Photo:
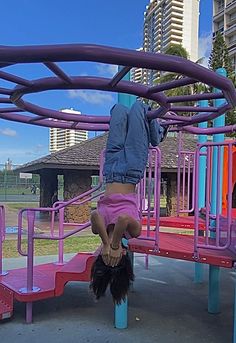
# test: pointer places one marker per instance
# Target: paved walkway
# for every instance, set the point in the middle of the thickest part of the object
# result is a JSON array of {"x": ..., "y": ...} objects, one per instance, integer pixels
[{"x": 165, "y": 307}]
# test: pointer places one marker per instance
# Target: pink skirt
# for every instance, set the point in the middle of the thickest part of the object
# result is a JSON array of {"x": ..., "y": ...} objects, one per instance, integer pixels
[{"x": 110, "y": 207}]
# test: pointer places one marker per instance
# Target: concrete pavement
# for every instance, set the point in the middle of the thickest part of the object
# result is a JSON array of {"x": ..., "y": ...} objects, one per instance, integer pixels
[{"x": 165, "y": 306}]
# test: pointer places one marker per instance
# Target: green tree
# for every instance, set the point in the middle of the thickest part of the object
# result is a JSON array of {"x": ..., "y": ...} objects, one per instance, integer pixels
[
  {"x": 219, "y": 58},
  {"x": 178, "y": 50}
]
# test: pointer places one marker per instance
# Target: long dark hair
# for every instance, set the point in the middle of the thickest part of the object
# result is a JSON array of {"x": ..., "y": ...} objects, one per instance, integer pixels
[{"x": 119, "y": 278}]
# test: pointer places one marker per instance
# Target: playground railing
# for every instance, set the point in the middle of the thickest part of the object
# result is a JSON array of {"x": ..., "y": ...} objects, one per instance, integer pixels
[
  {"x": 185, "y": 173},
  {"x": 218, "y": 229},
  {"x": 87, "y": 196},
  {"x": 149, "y": 192},
  {"x": 58, "y": 207},
  {"x": 2, "y": 234}
]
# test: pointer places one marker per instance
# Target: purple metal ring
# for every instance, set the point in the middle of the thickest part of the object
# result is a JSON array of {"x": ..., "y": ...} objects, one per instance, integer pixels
[{"x": 48, "y": 55}]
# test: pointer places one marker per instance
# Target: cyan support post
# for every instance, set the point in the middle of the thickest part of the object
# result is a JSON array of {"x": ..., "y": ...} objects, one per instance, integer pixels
[
  {"x": 214, "y": 272},
  {"x": 199, "y": 267},
  {"x": 121, "y": 311},
  {"x": 123, "y": 98}
]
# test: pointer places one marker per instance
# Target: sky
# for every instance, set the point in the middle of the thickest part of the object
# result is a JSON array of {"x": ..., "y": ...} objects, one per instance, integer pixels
[{"x": 117, "y": 23}]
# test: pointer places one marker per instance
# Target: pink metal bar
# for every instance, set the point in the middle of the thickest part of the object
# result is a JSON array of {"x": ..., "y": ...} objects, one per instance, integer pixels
[
  {"x": 218, "y": 201},
  {"x": 180, "y": 144},
  {"x": 19, "y": 233},
  {"x": 230, "y": 189},
  {"x": 193, "y": 188},
  {"x": 80, "y": 227},
  {"x": 30, "y": 250},
  {"x": 215, "y": 244},
  {"x": 208, "y": 193},
  {"x": 2, "y": 236},
  {"x": 196, "y": 202},
  {"x": 183, "y": 185},
  {"x": 149, "y": 191},
  {"x": 157, "y": 190},
  {"x": 61, "y": 234},
  {"x": 187, "y": 158},
  {"x": 188, "y": 181}
]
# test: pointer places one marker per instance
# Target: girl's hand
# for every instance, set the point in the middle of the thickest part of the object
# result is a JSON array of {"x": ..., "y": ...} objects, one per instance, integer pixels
[
  {"x": 105, "y": 253},
  {"x": 115, "y": 256}
]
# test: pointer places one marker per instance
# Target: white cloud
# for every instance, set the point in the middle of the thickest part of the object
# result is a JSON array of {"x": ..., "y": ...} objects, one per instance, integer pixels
[
  {"x": 8, "y": 132},
  {"x": 205, "y": 47},
  {"x": 92, "y": 97},
  {"x": 106, "y": 69}
]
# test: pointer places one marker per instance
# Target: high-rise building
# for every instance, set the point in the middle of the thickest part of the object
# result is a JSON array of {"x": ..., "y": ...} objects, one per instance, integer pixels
[
  {"x": 170, "y": 22},
  {"x": 64, "y": 138},
  {"x": 136, "y": 74},
  {"x": 224, "y": 21}
]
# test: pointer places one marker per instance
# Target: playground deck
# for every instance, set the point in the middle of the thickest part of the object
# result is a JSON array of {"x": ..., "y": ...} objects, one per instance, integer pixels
[{"x": 51, "y": 277}]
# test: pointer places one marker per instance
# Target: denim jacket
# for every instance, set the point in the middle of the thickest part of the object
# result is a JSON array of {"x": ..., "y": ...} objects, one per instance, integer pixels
[{"x": 130, "y": 136}]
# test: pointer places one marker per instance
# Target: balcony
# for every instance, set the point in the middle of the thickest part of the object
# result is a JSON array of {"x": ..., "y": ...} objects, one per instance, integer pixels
[
  {"x": 230, "y": 6},
  {"x": 217, "y": 16},
  {"x": 230, "y": 30},
  {"x": 219, "y": 30},
  {"x": 231, "y": 22},
  {"x": 232, "y": 45}
]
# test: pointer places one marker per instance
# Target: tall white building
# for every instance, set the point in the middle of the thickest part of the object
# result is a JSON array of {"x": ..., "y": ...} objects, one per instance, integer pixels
[
  {"x": 64, "y": 138},
  {"x": 136, "y": 74},
  {"x": 170, "y": 22},
  {"x": 224, "y": 21}
]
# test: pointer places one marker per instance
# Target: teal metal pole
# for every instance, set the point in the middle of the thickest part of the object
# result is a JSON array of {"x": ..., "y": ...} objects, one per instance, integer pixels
[
  {"x": 121, "y": 311},
  {"x": 214, "y": 291},
  {"x": 202, "y": 161},
  {"x": 214, "y": 272},
  {"x": 199, "y": 268}
]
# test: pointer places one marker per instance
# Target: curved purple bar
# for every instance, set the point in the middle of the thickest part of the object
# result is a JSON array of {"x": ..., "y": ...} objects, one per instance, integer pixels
[{"x": 48, "y": 55}]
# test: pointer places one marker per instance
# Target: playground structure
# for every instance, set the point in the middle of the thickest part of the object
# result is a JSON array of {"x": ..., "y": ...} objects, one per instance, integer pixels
[{"x": 200, "y": 173}]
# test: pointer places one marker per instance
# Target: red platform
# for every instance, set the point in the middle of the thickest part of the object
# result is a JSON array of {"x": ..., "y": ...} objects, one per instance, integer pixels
[
  {"x": 176, "y": 222},
  {"x": 182, "y": 247},
  {"x": 50, "y": 278}
]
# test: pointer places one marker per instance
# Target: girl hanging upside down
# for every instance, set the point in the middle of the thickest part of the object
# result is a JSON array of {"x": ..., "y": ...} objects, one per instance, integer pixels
[{"x": 117, "y": 215}]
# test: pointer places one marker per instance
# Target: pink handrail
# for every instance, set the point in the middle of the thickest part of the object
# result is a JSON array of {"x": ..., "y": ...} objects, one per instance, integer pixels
[
  {"x": 31, "y": 234},
  {"x": 2, "y": 234},
  {"x": 154, "y": 165},
  {"x": 215, "y": 242}
]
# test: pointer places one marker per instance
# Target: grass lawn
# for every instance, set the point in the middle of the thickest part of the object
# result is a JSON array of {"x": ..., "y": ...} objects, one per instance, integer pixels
[
  {"x": 47, "y": 247},
  {"x": 14, "y": 190},
  {"x": 20, "y": 205}
]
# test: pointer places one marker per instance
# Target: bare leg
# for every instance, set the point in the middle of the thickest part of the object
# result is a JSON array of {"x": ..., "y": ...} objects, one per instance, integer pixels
[
  {"x": 124, "y": 223},
  {"x": 98, "y": 227}
]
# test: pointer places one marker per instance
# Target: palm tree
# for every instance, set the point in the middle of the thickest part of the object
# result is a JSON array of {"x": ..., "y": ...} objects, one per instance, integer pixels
[{"x": 179, "y": 50}]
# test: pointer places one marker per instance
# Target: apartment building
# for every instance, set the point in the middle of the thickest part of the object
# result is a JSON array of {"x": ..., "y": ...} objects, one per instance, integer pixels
[
  {"x": 224, "y": 21},
  {"x": 170, "y": 22},
  {"x": 63, "y": 138}
]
